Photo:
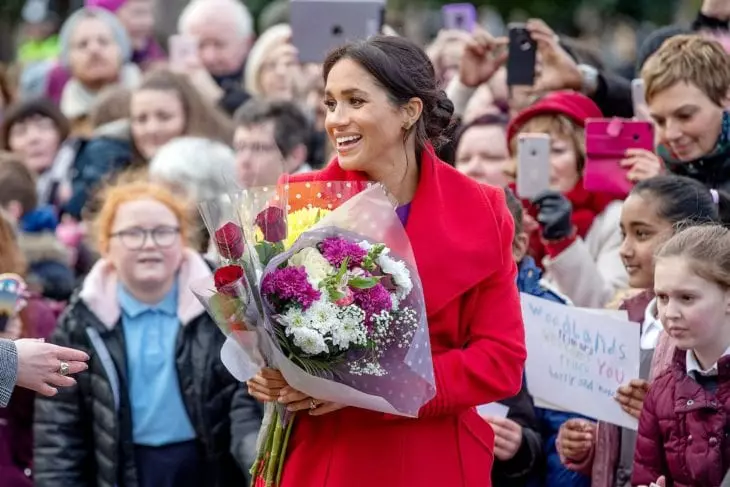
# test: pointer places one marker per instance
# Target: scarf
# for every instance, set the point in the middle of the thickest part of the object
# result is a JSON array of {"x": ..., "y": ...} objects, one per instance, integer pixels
[
  {"x": 587, "y": 205},
  {"x": 77, "y": 101}
]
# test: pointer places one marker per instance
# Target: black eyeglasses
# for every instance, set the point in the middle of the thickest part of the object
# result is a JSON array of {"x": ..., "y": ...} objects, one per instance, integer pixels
[{"x": 135, "y": 238}]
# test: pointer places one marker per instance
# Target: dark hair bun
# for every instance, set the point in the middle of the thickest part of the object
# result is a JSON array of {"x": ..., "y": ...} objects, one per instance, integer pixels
[{"x": 439, "y": 119}]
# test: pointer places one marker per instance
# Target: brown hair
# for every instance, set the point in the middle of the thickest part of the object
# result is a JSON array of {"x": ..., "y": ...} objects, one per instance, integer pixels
[
  {"x": 17, "y": 183},
  {"x": 111, "y": 105},
  {"x": 688, "y": 59},
  {"x": 555, "y": 125},
  {"x": 25, "y": 110},
  {"x": 707, "y": 248},
  {"x": 134, "y": 186},
  {"x": 516, "y": 210},
  {"x": 11, "y": 258},
  {"x": 201, "y": 118}
]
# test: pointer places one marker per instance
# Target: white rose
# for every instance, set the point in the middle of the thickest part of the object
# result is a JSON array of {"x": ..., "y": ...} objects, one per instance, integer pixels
[{"x": 314, "y": 263}]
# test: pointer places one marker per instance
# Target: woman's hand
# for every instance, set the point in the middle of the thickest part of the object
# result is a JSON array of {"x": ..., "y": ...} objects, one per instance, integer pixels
[
  {"x": 507, "y": 437},
  {"x": 554, "y": 215},
  {"x": 642, "y": 164},
  {"x": 483, "y": 56},
  {"x": 631, "y": 396},
  {"x": 575, "y": 439},
  {"x": 298, "y": 401},
  {"x": 266, "y": 386},
  {"x": 660, "y": 482},
  {"x": 556, "y": 70}
]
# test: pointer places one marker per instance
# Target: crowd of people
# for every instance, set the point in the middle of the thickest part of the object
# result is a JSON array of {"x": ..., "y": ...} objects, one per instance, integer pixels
[{"x": 108, "y": 144}]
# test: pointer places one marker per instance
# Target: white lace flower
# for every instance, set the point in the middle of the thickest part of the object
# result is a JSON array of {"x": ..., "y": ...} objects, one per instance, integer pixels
[
  {"x": 350, "y": 329},
  {"x": 314, "y": 263},
  {"x": 400, "y": 273},
  {"x": 309, "y": 340}
]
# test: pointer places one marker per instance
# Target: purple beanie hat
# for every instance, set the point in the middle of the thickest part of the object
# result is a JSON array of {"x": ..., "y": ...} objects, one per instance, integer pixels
[{"x": 110, "y": 5}]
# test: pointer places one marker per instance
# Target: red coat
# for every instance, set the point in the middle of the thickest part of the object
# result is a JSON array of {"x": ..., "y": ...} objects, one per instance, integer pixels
[
  {"x": 461, "y": 233},
  {"x": 683, "y": 429}
]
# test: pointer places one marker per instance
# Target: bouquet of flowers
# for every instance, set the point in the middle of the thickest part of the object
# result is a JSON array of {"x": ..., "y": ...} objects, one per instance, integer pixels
[{"x": 339, "y": 305}]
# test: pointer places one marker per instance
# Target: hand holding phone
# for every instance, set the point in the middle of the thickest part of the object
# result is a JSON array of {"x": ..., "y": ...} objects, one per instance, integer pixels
[
  {"x": 522, "y": 56},
  {"x": 607, "y": 143},
  {"x": 459, "y": 16},
  {"x": 183, "y": 51},
  {"x": 533, "y": 164},
  {"x": 12, "y": 290}
]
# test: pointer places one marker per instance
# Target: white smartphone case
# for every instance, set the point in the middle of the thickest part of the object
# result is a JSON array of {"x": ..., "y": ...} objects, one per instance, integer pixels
[{"x": 533, "y": 165}]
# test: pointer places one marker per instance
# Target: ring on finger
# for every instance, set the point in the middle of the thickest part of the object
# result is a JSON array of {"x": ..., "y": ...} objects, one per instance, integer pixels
[
  {"x": 313, "y": 404},
  {"x": 64, "y": 369}
]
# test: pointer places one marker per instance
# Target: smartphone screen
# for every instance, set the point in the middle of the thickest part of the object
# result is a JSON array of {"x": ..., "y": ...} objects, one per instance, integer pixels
[
  {"x": 522, "y": 56},
  {"x": 183, "y": 50},
  {"x": 533, "y": 165},
  {"x": 12, "y": 288},
  {"x": 459, "y": 16}
]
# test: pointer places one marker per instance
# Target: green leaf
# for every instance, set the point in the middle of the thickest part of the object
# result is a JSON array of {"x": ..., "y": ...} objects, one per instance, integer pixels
[
  {"x": 363, "y": 282},
  {"x": 267, "y": 251}
]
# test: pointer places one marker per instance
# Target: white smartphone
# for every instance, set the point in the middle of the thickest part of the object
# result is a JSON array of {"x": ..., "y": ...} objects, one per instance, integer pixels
[
  {"x": 533, "y": 165},
  {"x": 183, "y": 50},
  {"x": 638, "y": 97}
]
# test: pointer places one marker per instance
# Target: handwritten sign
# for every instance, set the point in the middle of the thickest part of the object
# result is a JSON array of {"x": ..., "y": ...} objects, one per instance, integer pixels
[{"x": 576, "y": 359}]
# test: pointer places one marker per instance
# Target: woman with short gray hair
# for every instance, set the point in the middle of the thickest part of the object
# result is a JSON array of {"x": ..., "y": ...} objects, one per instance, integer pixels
[{"x": 97, "y": 51}]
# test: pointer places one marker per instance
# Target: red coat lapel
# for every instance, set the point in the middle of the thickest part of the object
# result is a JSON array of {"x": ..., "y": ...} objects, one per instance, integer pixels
[{"x": 450, "y": 225}]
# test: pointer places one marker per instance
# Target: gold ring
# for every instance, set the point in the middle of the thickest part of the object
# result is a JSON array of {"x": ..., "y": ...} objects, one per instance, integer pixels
[
  {"x": 64, "y": 369},
  {"x": 312, "y": 403}
]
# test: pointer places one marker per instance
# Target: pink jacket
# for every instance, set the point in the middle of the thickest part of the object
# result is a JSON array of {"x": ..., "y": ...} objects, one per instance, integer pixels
[{"x": 600, "y": 463}]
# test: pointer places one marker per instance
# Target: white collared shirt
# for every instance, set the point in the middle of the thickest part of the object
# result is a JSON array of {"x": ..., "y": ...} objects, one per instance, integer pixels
[
  {"x": 651, "y": 328},
  {"x": 694, "y": 367}
]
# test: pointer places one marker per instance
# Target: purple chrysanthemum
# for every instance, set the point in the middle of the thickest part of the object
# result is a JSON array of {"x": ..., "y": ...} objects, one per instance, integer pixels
[
  {"x": 373, "y": 301},
  {"x": 337, "y": 249},
  {"x": 290, "y": 283}
]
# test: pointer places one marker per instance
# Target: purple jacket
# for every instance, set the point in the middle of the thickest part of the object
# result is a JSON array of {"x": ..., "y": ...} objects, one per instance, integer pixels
[
  {"x": 16, "y": 421},
  {"x": 682, "y": 430}
]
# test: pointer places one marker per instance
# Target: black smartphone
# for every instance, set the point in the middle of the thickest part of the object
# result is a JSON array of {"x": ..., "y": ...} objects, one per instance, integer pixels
[{"x": 522, "y": 56}]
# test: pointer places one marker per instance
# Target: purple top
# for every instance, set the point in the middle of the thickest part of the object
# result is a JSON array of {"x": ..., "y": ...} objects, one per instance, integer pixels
[{"x": 403, "y": 212}]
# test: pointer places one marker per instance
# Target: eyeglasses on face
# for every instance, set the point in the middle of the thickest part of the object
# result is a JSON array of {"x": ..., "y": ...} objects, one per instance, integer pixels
[{"x": 136, "y": 237}]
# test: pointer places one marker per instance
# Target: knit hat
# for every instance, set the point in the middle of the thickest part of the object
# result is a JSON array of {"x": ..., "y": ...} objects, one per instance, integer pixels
[
  {"x": 575, "y": 106},
  {"x": 110, "y": 5}
]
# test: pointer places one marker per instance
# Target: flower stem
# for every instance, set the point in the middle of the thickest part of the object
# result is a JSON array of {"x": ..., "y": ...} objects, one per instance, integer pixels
[
  {"x": 275, "y": 451},
  {"x": 287, "y": 434},
  {"x": 260, "y": 463}
]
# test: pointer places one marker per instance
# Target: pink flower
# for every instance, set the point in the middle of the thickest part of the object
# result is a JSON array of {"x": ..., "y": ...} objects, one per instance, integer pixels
[
  {"x": 337, "y": 249},
  {"x": 281, "y": 286},
  {"x": 373, "y": 301}
]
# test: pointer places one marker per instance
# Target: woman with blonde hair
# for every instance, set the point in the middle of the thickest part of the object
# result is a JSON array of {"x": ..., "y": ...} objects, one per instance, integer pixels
[
  {"x": 272, "y": 67},
  {"x": 163, "y": 107},
  {"x": 157, "y": 407}
]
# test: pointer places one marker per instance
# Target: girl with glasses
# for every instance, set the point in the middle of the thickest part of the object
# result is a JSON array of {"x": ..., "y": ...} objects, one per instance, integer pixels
[{"x": 156, "y": 407}]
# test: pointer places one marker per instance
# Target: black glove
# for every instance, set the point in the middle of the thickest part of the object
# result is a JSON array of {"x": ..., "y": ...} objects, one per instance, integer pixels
[{"x": 554, "y": 213}]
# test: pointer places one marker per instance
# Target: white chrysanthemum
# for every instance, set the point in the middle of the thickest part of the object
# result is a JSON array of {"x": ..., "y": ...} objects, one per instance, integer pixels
[
  {"x": 314, "y": 263},
  {"x": 400, "y": 273},
  {"x": 322, "y": 316},
  {"x": 293, "y": 318},
  {"x": 350, "y": 329},
  {"x": 309, "y": 340},
  {"x": 365, "y": 245}
]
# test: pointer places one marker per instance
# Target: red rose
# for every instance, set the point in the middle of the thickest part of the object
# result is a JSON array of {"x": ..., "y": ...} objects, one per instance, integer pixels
[
  {"x": 229, "y": 240},
  {"x": 272, "y": 222},
  {"x": 227, "y": 279}
]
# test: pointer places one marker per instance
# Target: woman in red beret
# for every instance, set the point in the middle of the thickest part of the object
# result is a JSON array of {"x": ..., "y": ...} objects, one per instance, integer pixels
[
  {"x": 384, "y": 114},
  {"x": 579, "y": 235}
]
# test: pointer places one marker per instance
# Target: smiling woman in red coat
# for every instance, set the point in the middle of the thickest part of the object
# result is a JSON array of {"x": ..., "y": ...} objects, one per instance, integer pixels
[{"x": 384, "y": 114}]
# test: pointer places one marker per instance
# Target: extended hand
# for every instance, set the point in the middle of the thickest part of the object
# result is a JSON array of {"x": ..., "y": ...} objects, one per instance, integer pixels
[
  {"x": 557, "y": 70},
  {"x": 39, "y": 366},
  {"x": 642, "y": 164},
  {"x": 575, "y": 439},
  {"x": 482, "y": 58},
  {"x": 554, "y": 215},
  {"x": 631, "y": 396},
  {"x": 266, "y": 386},
  {"x": 507, "y": 437}
]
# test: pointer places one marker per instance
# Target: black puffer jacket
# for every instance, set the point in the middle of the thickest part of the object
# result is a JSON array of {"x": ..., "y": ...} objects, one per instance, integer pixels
[{"x": 84, "y": 439}]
